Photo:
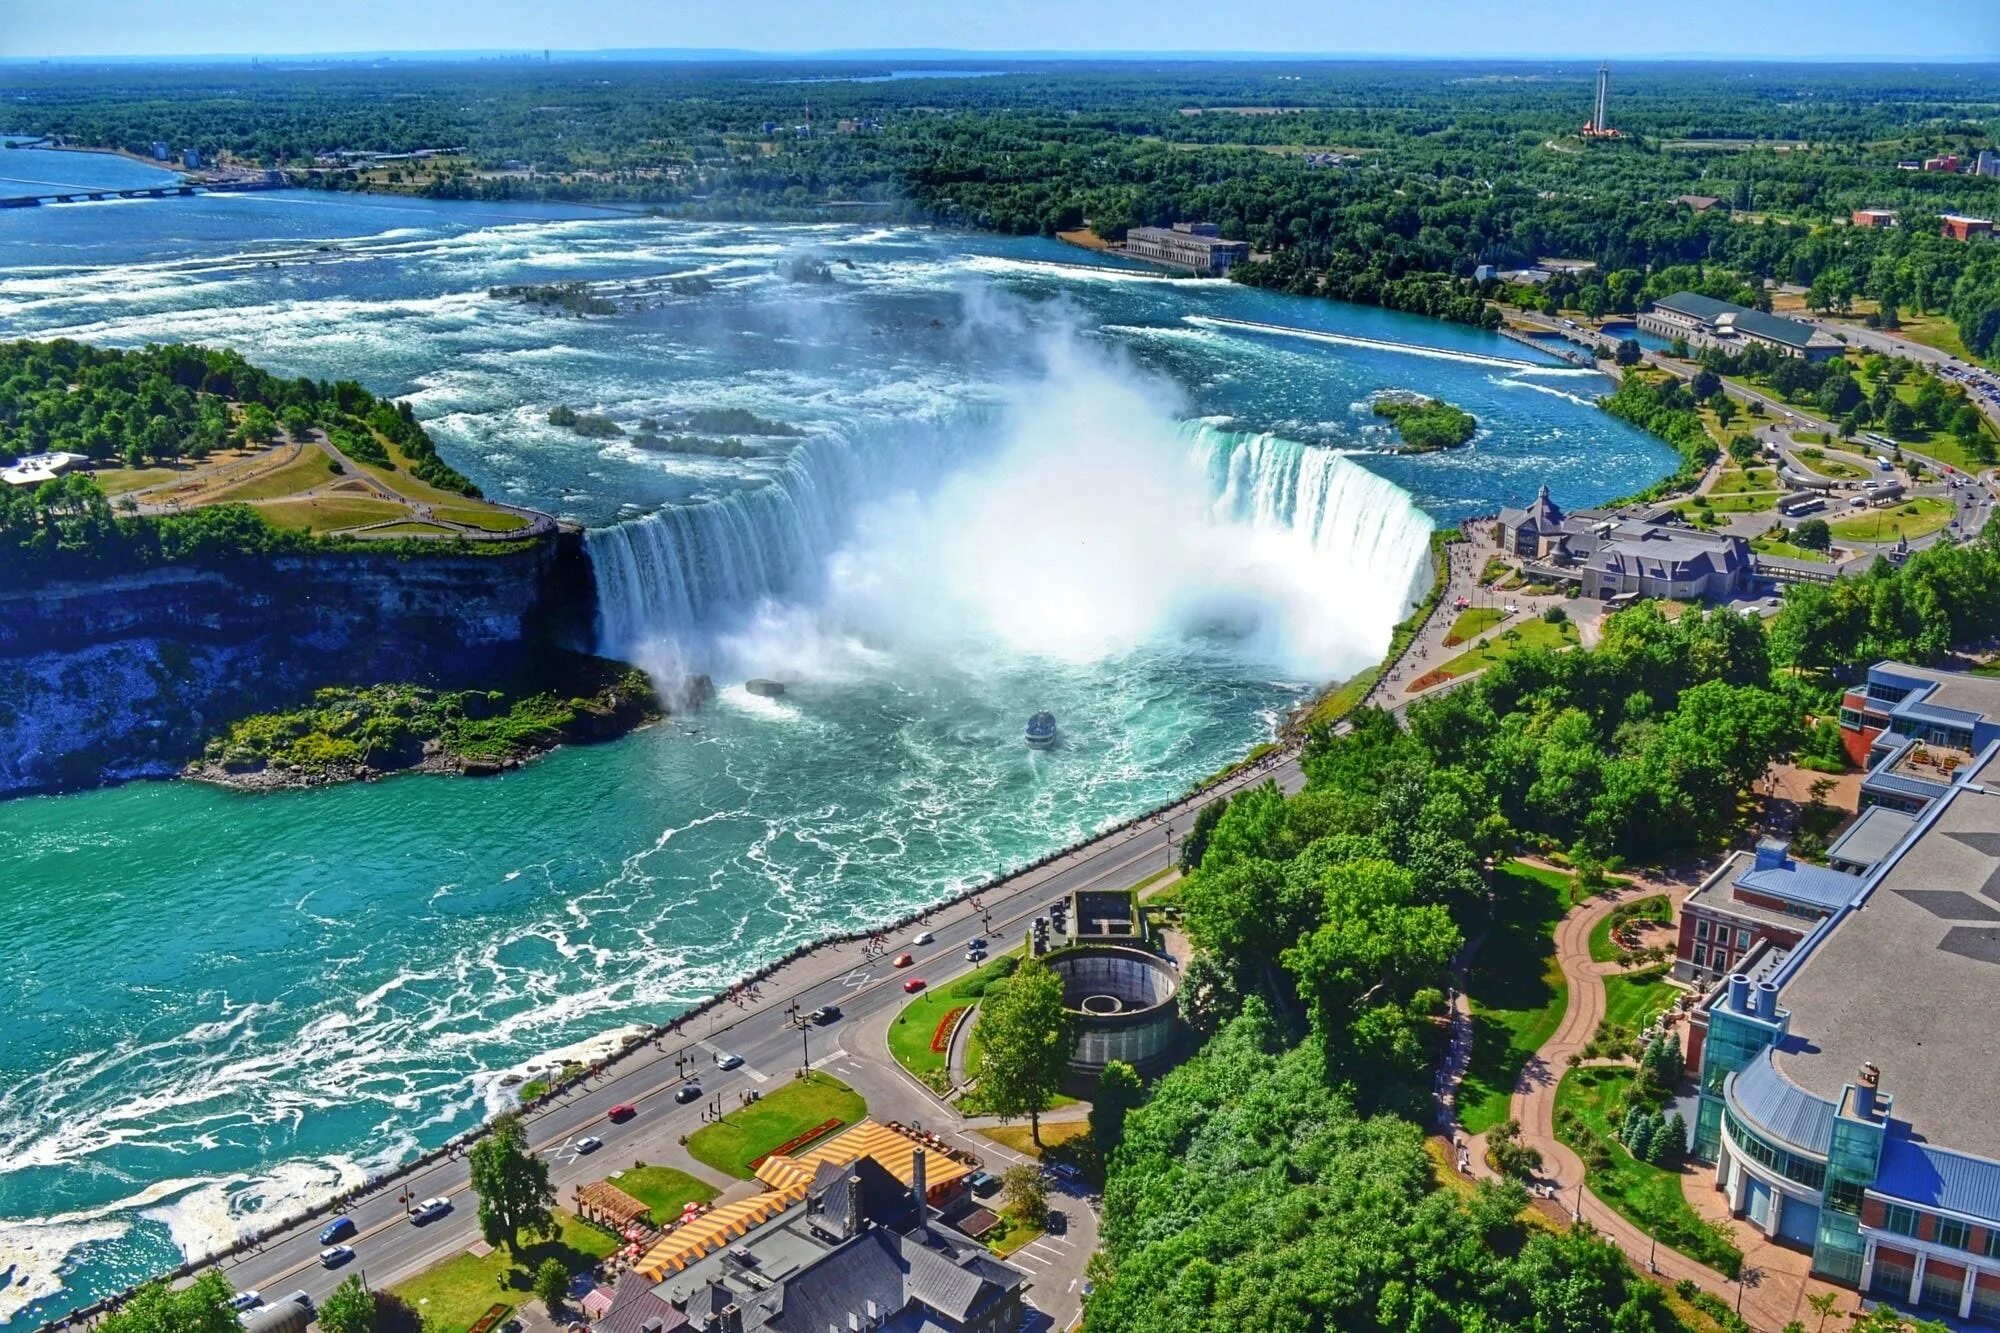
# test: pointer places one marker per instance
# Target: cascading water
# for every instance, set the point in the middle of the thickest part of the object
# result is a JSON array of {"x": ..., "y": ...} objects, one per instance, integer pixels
[{"x": 1356, "y": 527}]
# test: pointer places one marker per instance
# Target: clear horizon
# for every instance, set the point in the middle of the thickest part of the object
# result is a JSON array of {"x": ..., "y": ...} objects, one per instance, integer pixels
[{"x": 1766, "y": 30}]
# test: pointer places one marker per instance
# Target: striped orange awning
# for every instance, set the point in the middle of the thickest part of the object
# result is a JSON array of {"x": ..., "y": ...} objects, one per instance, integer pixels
[
  {"x": 712, "y": 1230},
  {"x": 890, "y": 1148}
]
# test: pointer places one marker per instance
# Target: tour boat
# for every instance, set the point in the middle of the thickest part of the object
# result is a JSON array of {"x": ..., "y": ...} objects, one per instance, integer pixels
[{"x": 1042, "y": 730}]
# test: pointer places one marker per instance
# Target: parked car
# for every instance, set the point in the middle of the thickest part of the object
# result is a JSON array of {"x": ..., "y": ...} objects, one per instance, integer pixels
[
  {"x": 333, "y": 1256},
  {"x": 246, "y": 1300},
  {"x": 430, "y": 1208},
  {"x": 340, "y": 1228},
  {"x": 825, "y": 1014},
  {"x": 923, "y": 937},
  {"x": 913, "y": 985},
  {"x": 687, "y": 1092},
  {"x": 620, "y": 1113},
  {"x": 728, "y": 1060},
  {"x": 589, "y": 1143},
  {"x": 903, "y": 960},
  {"x": 982, "y": 1183}
]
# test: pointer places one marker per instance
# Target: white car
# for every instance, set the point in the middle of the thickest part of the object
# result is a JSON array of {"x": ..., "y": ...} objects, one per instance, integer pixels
[
  {"x": 246, "y": 1300},
  {"x": 727, "y": 1060},
  {"x": 589, "y": 1143},
  {"x": 333, "y": 1256},
  {"x": 430, "y": 1208},
  {"x": 923, "y": 937}
]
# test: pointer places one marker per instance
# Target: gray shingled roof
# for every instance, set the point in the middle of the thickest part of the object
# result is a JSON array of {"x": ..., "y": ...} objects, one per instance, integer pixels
[{"x": 1708, "y": 310}]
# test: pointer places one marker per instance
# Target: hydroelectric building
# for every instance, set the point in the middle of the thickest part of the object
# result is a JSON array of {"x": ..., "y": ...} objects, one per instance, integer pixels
[{"x": 1850, "y": 1070}]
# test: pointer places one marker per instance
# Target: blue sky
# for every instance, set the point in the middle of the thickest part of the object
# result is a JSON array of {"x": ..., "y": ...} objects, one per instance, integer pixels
[{"x": 1772, "y": 29}]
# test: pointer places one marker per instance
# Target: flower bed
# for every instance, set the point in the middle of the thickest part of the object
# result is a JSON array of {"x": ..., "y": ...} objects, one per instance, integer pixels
[
  {"x": 491, "y": 1319},
  {"x": 942, "y": 1037},
  {"x": 1428, "y": 679},
  {"x": 795, "y": 1143}
]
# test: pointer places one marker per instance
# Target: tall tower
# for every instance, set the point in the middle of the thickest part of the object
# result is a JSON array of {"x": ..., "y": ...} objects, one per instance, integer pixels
[{"x": 1600, "y": 120}]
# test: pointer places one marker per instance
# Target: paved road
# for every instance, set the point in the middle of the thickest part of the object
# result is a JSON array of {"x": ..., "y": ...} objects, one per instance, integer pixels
[{"x": 391, "y": 1248}]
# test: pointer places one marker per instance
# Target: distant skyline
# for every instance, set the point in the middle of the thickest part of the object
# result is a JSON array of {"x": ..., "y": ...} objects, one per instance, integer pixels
[{"x": 1711, "y": 29}]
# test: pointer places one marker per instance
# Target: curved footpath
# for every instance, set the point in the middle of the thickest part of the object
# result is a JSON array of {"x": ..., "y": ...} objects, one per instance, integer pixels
[
  {"x": 1781, "y": 1281},
  {"x": 754, "y": 1022}
]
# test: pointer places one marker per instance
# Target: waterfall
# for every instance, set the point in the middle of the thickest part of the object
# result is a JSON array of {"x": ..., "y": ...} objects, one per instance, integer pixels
[
  {"x": 1361, "y": 532},
  {"x": 1346, "y": 545}
]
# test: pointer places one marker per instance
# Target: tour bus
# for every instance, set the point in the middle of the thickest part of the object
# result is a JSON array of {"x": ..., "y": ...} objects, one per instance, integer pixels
[{"x": 1800, "y": 505}]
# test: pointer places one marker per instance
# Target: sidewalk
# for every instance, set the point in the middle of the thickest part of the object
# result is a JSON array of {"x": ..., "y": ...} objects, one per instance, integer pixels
[{"x": 1781, "y": 1281}]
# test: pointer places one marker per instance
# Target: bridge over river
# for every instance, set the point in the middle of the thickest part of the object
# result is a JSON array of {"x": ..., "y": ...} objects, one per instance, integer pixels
[{"x": 55, "y": 192}]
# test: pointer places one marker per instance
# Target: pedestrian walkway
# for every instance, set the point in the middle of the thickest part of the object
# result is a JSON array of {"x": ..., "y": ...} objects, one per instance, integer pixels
[{"x": 1778, "y": 1278}]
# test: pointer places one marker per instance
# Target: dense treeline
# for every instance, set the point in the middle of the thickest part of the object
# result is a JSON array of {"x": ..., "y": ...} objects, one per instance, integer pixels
[
  {"x": 160, "y": 403},
  {"x": 1442, "y": 167}
]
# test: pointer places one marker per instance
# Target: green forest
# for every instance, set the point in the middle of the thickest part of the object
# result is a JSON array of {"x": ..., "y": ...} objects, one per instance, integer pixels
[{"x": 1380, "y": 181}]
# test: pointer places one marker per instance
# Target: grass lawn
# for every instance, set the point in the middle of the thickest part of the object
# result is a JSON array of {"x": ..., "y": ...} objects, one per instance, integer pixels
[
  {"x": 1010, "y": 1235},
  {"x": 1737, "y": 502},
  {"x": 1647, "y": 1196},
  {"x": 1735, "y": 481},
  {"x": 1786, "y": 551},
  {"x": 311, "y": 468},
  {"x": 1536, "y": 633},
  {"x": 1839, "y": 469},
  {"x": 453, "y": 1294},
  {"x": 1055, "y": 1136},
  {"x": 118, "y": 480},
  {"x": 478, "y": 516},
  {"x": 1474, "y": 621},
  {"x": 910, "y": 1035},
  {"x": 1344, "y": 698},
  {"x": 1653, "y": 907},
  {"x": 327, "y": 513},
  {"x": 1632, "y": 1000},
  {"x": 1516, "y": 989},
  {"x": 756, "y": 1129},
  {"x": 413, "y": 528},
  {"x": 663, "y": 1189},
  {"x": 1914, "y": 518}
]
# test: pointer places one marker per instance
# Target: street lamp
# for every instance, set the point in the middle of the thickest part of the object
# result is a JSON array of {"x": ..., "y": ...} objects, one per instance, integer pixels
[{"x": 804, "y": 1025}]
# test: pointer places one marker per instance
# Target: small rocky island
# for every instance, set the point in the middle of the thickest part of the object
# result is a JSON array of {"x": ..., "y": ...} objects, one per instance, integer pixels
[
  {"x": 1426, "y": 424},
  {"x": 351, "y": 733}
]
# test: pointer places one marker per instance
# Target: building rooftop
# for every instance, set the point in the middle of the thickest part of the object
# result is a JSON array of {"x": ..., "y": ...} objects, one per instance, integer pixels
[
  {"x": 1956, "y": 690},
  {"x": 1790, "y": 332},
  {"x": 1780, "y": 1109},
  {"x": 1870, "y": 839},
  {"x": 1908, "y": 980}
]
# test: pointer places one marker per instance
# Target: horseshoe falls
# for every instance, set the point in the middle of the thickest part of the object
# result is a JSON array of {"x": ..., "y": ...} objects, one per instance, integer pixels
[{"x": 1001, "y": 476}]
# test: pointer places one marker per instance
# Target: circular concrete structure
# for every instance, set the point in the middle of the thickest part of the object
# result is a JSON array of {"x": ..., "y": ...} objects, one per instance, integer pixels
[{"x": 1123, "y": 999}]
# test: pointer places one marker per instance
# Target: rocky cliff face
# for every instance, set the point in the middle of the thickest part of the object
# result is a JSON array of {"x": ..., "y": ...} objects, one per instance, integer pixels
[{"x": 124, "y": 678}]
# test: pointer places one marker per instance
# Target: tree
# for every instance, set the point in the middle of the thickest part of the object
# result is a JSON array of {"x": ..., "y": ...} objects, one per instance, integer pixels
[
  {"x": 1196, "y": 844},
  {"x": 1026, "y": 1194},
  {"x": 1119, "y": 1089},
  {"x": 1027, "y": 1034},
  {"x": 512, "y": 1184},
  {"x": 200, "y": 1307},
  {"x": 393, "y": 1314},
  {"x": 1628, "y": 353},
  {"x": 1705, "y": 384},
  {"x": 350, "y": 1309},
  {"x": 1725, "y": 409},
  {"x": 1813, "y": 535},
  {"x": 551, "y": 1284},
  {"x": 1823, "y": 1304}
]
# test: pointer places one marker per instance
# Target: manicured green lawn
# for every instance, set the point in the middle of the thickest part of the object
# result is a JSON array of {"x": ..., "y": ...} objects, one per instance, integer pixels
[
  {"x": 663, "y": 1189},
  {"x": 1474, "y": 621},
  {"x": 1649, "y": 1197},
  {"x": 1736, "y": 502},
  {"x": 1634, "y": 999},
  {"x": 1735, "y": 480},
  {"x": 776, "y": 1118},
  {"x": 910, "y": 1035},
  {"x": 453, "y": 1294},
  {"x": 1536, "y": 633},
  {"x": 1834, "y": 467},
  {"x": 1516, "y": 989},
  {"x": 1786, "y": 551},
  {"x": 1917, "y": 517},
  {"x": 1653, "y": 907}
]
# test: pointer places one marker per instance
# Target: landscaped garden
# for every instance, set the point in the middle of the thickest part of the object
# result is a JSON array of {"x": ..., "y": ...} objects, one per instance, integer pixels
[
  {"x": 1537, "y": 633},
  {"x": 918, "y": 1036},
  {"x": 663, "y": 1189},
  {"x": 1916, "y": 517},
  {"x": 1590, "y": 1108},
  {"x": 1605, "y": 945},
  {"x": 1473, "y": 622},
  {"x": 453, "y": 1295},
  {"x": 1516, "y": 990},
  {"x": 781, "y": 1119}
]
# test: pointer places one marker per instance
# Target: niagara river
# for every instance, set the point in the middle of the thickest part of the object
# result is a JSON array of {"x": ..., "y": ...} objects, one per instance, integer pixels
[{"x": 1013, "y": 476}]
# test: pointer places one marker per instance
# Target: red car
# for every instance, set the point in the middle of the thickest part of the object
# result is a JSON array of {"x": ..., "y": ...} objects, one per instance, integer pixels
[
  {"x": 620, "y": 1113},
  {"x": 904, "y": 960},
  {"x": 913, "y": 985}
]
